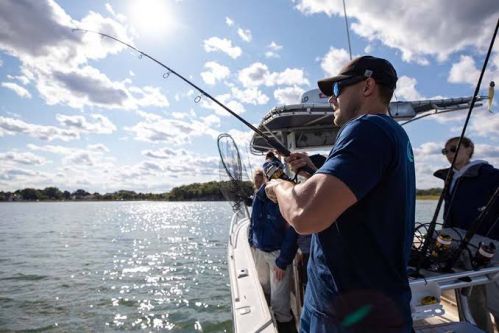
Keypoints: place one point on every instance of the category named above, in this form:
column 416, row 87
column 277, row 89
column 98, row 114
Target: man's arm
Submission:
column 314, row 205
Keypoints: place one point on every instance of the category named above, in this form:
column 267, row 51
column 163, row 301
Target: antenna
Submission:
column 348, row 30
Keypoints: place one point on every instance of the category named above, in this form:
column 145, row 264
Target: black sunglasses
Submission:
column 339, row 85
column 452, row 149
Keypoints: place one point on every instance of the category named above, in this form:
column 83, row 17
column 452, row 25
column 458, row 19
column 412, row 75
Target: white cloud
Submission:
column 101, row 124
column 254, row 75
column 428, row 158
column 487, row 152
column 56, row 59
column 435, row 27
column 164, row 153
column 72, row 127
column 224, row 45
column 406, row 89
column 334, row 60
column 229, row 21
column 157, row 129
column 485, row 124
column 21, row 78
column 98, row 147
column 92, row 170
column 271, row 54
column 25, row 158
column 245, row 34
column 118, row 16
column 288, row 95
column 466, row 71
column 21, row 91
column 11, row 126
column 61, row 150
column 273, row 48
column 287, row 77
column 93, row 155
column 250, row 96
column 211, row 120
column 227, row 100
column 15, row 178
column 428, row 148
column 215, row 72
column 259, row 74
column 110, row 9
column 79, row 158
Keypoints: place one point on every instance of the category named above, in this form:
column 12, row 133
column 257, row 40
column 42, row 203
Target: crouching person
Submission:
column 274, row 243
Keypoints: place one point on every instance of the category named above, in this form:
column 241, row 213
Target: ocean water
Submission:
column 118, row 266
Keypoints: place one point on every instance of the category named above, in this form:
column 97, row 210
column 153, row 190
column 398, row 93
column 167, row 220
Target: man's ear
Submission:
column 369, row 86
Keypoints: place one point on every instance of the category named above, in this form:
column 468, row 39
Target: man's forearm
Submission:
column 290, row 204
column 315, row 204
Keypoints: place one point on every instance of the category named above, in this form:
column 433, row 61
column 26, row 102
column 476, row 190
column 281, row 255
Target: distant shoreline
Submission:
column 427, row 197
column 418, row 197
column 210, row 191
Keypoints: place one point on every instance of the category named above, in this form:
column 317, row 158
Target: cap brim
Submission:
column 326, row 85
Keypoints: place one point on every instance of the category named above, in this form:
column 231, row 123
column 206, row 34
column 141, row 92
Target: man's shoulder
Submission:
column 376, row 121
column 374, row 126
column 489, row 171
column 441, row 173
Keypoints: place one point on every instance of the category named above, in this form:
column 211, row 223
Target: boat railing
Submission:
column 237, row 217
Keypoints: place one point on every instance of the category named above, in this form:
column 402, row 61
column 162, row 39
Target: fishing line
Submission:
column 271, row 141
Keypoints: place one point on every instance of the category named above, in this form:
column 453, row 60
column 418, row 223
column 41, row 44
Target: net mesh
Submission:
column 234, row 189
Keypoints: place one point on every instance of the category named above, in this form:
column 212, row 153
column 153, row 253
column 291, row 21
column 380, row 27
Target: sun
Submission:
column 152, row 17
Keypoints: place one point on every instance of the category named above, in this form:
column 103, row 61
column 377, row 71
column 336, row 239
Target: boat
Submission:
column 307, row 126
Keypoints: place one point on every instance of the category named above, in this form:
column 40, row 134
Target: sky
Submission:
column 81, row 112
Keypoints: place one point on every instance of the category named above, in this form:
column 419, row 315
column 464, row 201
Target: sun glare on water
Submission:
column 152, row 18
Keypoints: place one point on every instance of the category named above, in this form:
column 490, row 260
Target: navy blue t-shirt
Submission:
column 359, row 263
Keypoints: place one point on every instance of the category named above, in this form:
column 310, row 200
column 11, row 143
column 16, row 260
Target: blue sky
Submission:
column 78, row 111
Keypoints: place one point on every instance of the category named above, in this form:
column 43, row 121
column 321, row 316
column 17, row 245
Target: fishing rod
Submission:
column 271, row 141
column 433, row 223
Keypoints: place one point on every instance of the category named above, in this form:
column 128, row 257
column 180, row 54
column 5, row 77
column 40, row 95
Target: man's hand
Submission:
column 269, row 189
column 297, row 161
column 279, row 273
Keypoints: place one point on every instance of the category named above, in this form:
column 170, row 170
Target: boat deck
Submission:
column 251, row 312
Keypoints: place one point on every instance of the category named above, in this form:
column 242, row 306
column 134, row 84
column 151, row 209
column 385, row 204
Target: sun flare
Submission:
column 152, row 17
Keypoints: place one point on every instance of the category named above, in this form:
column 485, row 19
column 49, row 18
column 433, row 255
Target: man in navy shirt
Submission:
column 360, row 208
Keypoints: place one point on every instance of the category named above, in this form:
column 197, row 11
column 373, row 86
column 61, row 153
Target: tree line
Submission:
column 210, row 191
column 434, row 191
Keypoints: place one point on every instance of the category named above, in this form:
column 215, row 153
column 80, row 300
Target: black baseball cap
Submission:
column 381, row 70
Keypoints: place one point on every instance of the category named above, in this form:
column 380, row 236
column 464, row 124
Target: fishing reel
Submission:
column 483, row 255
column 275, row 170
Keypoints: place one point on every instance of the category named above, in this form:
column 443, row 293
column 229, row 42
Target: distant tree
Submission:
column 52, row 193
column 431, row 191
column 66, row 195
column 30, row 194
column 79, row 194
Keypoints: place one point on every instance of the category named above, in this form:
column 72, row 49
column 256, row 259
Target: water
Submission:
column 114, row 266
column 117, row 266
